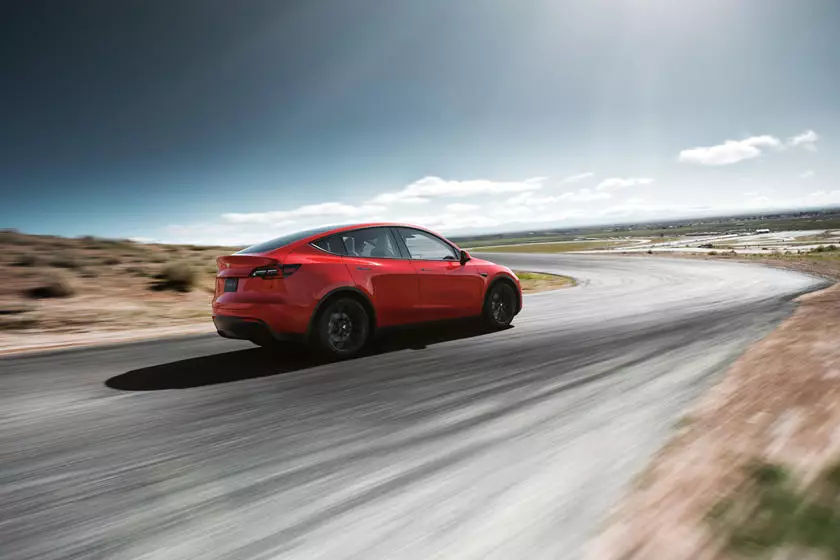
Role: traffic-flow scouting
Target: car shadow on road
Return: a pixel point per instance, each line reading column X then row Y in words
column 253, row 363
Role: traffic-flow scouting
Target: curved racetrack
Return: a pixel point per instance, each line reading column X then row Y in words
column 445, row 444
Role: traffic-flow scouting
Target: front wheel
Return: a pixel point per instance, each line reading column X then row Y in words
column 499, row 305
column 342, row 328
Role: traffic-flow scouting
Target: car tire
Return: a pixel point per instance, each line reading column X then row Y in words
column 341, row 329
column 499, row 305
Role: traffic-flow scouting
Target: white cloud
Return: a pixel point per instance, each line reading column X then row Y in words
column 807, row 140
column 449, row 221
column 578, row 177
column 731, row 151
column 311, row 211
column 582, row 195
column 615, row 183
column 806, row 174
column 433, row 187
column 461, row 207
column 473, row 209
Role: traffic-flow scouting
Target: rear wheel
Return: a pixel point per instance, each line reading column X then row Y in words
column 342, row 328
column 499, row 305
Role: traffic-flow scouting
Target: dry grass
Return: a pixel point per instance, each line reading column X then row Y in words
column 541, row 282
column 87, row 285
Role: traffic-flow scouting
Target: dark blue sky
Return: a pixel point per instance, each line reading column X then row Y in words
column 155, row 118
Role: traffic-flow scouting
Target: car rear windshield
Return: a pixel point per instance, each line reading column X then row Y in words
column 278, row 242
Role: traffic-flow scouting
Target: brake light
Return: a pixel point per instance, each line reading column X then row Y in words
column 278, row 271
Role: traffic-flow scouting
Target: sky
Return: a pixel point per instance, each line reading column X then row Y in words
column 218, row 122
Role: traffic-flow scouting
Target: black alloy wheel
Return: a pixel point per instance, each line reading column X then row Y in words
column 343, row 328
column 500, row 305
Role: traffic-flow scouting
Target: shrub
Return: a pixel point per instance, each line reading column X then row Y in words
column 65, row 262
column 17, row 323
column 58, row 288
column 26, row 259
column 111, row 261
column 180, row 278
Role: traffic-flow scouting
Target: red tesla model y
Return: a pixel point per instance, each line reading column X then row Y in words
column 333, row 287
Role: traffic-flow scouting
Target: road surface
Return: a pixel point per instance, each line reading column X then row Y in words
column 446, row 444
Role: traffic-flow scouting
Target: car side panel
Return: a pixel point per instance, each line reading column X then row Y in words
column 449, row 289
column 392, row 286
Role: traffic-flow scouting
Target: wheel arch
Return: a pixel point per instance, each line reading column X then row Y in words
column 343, row 291
column 504, row 278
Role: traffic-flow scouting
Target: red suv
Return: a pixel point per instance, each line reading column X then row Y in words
column 333, row 287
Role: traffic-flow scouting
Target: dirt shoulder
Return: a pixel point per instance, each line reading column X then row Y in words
column 58, row 292
column 778, row 406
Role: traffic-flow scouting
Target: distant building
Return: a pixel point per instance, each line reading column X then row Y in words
column 763, row 230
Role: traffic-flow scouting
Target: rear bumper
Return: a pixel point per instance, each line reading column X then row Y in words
column 256, row 330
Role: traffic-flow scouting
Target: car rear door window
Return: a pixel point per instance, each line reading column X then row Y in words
column 370, row 242
column 331, row 244
column 278, row 242
column 427, row 247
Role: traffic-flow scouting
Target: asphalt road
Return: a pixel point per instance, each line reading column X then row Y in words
column 445, row 444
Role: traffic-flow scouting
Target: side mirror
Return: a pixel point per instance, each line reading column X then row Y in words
column 464, row 257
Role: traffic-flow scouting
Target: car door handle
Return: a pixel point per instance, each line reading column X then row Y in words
column 362, row 268
column 427, row 269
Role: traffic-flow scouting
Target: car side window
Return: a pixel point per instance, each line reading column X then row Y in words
column 370, row 242
column 427, row 247
column 331, row 244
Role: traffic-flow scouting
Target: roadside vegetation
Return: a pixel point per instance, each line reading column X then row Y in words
column 60, row 285
column 541, row 282
column 772, row 511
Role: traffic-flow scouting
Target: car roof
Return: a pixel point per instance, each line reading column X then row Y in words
column 350, row 227
column 327, row 231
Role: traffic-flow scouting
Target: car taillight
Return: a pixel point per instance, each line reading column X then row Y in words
column 279, row 271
